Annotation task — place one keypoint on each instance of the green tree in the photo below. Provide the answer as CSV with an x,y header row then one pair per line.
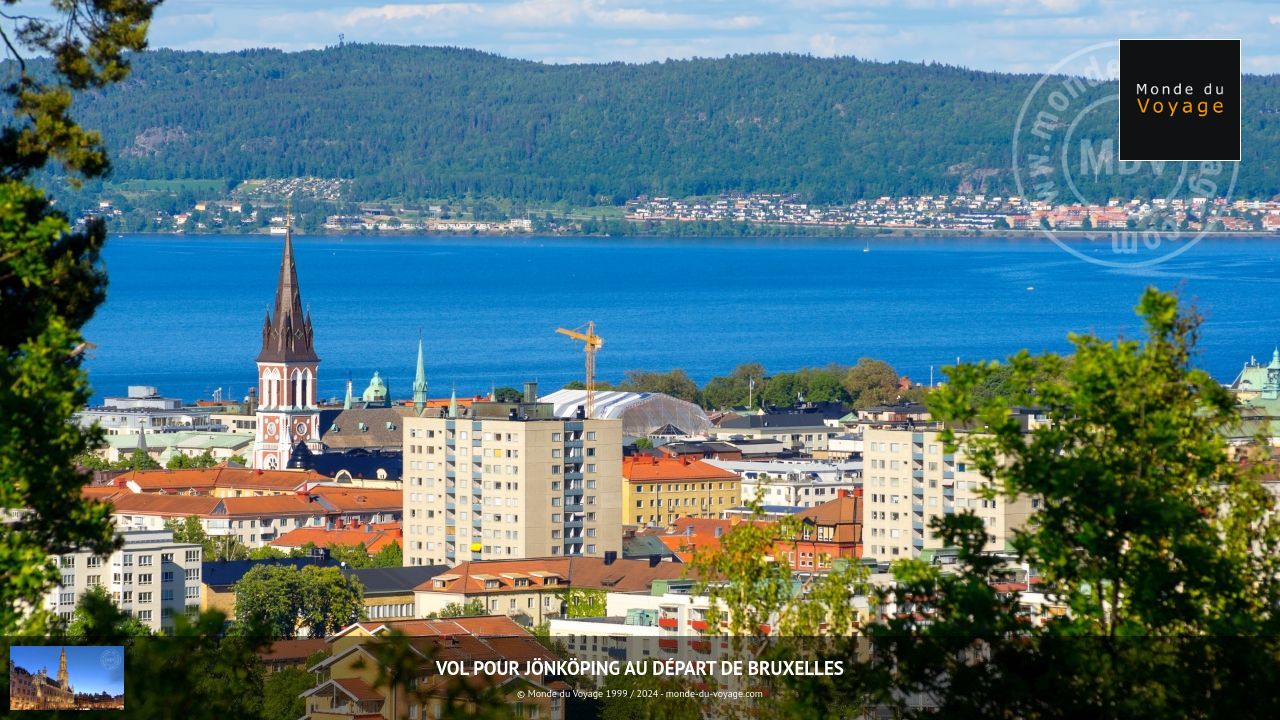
x,y
51,282
282,694
733,390
266,552
355,556
871,382
675,383
391,555
137,460
507,394
470,609
203,460
282,599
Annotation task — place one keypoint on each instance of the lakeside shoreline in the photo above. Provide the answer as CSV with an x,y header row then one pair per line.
x,y
860,233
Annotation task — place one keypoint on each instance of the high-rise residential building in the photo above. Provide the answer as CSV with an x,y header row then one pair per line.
x,y
510,480
150,577
288,369
909,479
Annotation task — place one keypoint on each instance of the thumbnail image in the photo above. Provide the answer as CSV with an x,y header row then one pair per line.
x,y
85,678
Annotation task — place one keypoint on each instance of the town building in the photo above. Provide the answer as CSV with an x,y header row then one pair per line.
x,y
150,577
164,447
657,491
793,483
144,410
533,590
389,593
371,537
219,578
347,686
826,533
257,520
797,431
910,479
221,481
510,480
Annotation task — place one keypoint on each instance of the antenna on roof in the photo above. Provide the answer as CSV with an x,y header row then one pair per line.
x,y
341,38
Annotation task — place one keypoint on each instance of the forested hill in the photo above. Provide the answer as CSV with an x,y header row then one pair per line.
x,y
416,122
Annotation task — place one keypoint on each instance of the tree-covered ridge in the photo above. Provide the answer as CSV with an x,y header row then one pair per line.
x,y
415,122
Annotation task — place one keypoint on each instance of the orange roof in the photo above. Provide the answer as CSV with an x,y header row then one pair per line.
x,y
687,535
358,689
582,572
165,505
641,468
220,477
347,499
98,492
844,510
372,539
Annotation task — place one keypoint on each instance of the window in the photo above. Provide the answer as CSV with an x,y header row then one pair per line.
x,y
144,560
591,435
166,557
144,579
192,592
193,574
144,597
68,561
193,556
94,562
144,615
95,580
166,595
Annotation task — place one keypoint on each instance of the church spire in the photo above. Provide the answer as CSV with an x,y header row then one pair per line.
x,y
420,382
453,403
346,404
287,335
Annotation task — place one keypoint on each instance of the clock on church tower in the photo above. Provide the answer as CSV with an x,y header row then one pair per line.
x,y
288,368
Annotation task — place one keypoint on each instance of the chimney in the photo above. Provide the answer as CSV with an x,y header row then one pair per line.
x,y
531,392
580,413
654,560
610,556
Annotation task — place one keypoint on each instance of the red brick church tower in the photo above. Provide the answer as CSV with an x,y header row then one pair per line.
x,y
287,373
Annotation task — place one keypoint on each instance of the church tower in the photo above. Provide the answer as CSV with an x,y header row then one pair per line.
x,y
63,681
287,372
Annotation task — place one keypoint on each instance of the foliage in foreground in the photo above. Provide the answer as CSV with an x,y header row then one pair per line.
x,y
1159,541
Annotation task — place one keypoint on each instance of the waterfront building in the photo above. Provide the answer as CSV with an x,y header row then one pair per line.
x,y
910,478
798,431
510,480
144,410
288,369
657,491
150,577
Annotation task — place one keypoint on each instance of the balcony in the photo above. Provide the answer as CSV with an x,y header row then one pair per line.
x,y
574,508
617,653
699,625
572,524
668,644
669,623
949,493
573,443
576,540
917,507
917,525
574,475
918,491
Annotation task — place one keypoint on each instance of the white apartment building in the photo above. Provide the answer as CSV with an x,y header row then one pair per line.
x,y
510,480
144,410
909,479
150,577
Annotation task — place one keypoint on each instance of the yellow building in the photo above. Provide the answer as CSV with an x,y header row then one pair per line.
x,y
659,491
347,681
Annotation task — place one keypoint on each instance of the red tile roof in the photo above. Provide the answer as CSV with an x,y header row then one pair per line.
x,y
373,539
206,479
645,468
359,499
559,572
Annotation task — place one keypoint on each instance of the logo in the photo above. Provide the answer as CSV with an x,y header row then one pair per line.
x,y
112,658
1079,193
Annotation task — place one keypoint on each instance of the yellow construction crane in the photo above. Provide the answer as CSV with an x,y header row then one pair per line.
x,y
591,343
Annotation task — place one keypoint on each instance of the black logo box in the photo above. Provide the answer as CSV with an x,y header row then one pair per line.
x,y
1187,68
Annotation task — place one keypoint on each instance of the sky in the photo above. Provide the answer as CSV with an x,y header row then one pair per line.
x,y
90,669
1009,35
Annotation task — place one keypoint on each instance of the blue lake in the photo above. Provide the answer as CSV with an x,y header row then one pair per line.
x,y
185,312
